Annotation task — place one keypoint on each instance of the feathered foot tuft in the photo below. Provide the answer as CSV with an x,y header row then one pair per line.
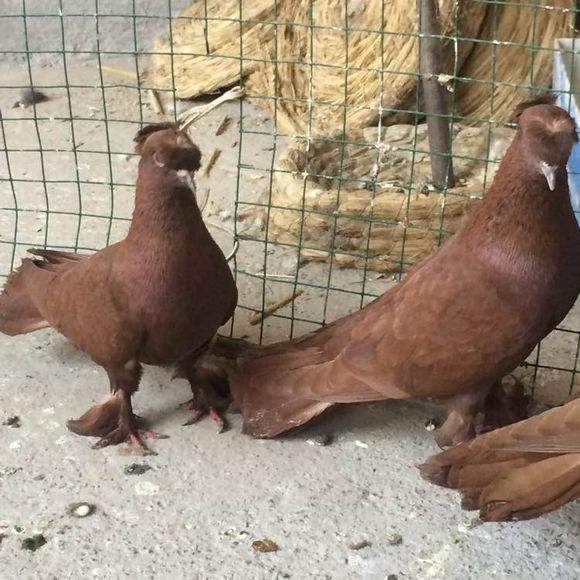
x,y
114,422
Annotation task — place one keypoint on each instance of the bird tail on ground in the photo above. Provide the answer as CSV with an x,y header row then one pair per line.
x,y
270,414
18,314
283,386
266,388
516,489
517,472
265,414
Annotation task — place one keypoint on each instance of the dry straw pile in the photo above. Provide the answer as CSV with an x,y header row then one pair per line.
x,y
352,199
323,80
306,56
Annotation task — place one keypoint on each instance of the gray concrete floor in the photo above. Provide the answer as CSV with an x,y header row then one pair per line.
x,y
205,499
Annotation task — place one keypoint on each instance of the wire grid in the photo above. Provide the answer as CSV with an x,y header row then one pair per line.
x,y
144,19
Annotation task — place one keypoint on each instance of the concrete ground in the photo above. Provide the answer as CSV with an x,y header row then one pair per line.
x,y
203,499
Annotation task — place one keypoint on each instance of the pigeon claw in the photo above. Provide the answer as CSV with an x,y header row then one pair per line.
x,y
133,437
198,412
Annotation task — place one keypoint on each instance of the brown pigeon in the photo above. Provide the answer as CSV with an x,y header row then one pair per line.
x,y
157,297
518,472
460,321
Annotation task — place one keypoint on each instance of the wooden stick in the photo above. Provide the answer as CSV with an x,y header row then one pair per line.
x,y
434,98
211,162
223,125
189,116
155,101
120,72
257,317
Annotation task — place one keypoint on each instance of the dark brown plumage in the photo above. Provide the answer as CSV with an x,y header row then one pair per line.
x,y
518,472
157,297
459,321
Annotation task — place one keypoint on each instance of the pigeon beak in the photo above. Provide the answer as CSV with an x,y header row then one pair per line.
x,y
186,177
549,172
191,181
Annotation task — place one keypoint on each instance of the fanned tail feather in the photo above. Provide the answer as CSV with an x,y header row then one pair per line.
x,y
57,257
18,313
518,472
263,388
283,386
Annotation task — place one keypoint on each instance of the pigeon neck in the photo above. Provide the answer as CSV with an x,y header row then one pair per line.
x,y
164,204
519,202
520,186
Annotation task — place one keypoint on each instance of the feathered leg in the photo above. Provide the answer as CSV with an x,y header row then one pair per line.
x,y
480,411
464,419
209,388
505,405
113,419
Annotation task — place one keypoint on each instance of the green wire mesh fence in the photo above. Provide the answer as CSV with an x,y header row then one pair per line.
x,y
321,171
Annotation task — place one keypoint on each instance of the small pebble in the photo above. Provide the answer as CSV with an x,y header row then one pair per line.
x,y
146,488
9,471
431,424
473,523
81,509
361,444
264,546
320,440
136,469
358,545
233,533
13,422
394,539
32,543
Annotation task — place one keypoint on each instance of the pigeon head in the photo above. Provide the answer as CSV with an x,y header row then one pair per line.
x,y
548,134
168,147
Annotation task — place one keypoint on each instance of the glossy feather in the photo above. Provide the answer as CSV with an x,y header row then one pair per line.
x,y
458,322
517,472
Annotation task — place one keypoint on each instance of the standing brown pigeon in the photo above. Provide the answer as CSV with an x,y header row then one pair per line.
x,y
518,472
461,320
157,297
